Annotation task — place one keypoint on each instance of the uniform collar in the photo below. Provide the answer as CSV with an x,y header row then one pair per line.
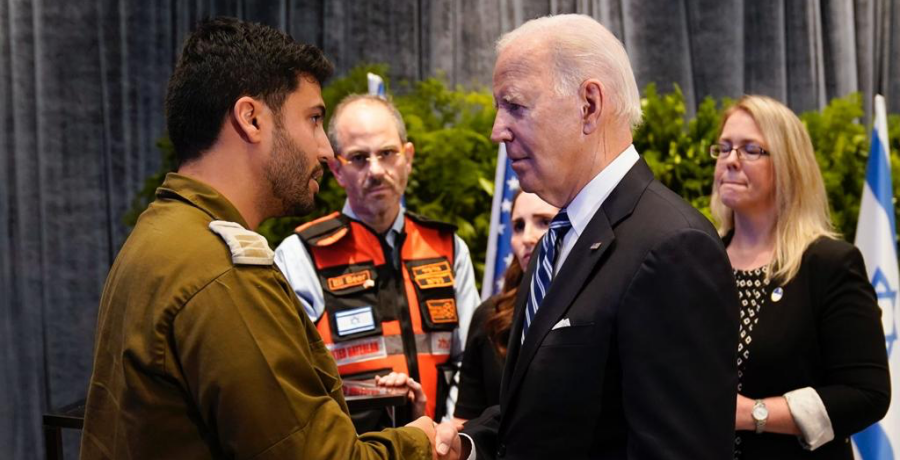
x,y
200,195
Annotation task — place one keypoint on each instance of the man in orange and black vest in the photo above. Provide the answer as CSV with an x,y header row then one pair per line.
x,y
387,289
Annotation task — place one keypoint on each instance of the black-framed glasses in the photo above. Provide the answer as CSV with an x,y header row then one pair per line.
x,y
750,151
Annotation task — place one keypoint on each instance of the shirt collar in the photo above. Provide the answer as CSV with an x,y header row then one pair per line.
x,y
396,227
582,209
201,195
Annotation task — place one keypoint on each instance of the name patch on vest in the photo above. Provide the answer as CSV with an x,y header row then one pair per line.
x,y
442,310
349,280
433,275
358,350
352,321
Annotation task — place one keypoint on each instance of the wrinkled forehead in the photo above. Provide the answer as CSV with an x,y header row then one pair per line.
x,y
521,64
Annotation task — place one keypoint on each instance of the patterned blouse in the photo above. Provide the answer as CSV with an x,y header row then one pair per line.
x,y
753,290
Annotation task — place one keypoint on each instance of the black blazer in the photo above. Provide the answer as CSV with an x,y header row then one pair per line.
x,y
481,369
647,368
824,333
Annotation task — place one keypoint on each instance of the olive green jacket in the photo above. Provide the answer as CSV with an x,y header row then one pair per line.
x,y
200,357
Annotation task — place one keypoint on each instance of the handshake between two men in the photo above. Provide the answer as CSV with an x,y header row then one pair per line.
x,y
204,349
444,437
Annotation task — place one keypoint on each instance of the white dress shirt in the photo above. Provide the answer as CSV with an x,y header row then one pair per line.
x,y
586,203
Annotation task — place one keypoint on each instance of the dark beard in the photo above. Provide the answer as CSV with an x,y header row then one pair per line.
x,y
289,173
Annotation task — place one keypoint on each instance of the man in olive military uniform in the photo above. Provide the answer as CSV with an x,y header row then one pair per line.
x,y
202,349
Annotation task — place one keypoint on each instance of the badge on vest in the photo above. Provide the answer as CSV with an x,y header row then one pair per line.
x,y
434,275
442,310
349,322
441,343
349,280
433,281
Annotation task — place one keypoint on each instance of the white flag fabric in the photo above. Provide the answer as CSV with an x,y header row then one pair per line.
x,y
876,238
376,85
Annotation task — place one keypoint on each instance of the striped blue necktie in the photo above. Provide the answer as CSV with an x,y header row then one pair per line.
x,y
543,272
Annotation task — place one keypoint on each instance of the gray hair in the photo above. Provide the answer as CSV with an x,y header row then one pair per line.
x,y
386,103
582,48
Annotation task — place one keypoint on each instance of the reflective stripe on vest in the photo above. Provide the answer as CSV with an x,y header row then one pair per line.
x,y
370,348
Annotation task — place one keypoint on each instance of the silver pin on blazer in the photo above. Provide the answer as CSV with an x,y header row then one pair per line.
x,y
596,245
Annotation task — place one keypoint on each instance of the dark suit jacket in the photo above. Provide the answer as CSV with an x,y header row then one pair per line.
x,y
647,368
824,333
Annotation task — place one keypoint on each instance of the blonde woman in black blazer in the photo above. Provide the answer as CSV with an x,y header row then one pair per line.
x,y
812,365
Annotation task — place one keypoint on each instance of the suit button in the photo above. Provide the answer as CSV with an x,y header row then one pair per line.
x,y
501,450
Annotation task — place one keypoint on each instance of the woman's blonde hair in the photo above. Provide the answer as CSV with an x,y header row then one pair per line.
x,y
801,205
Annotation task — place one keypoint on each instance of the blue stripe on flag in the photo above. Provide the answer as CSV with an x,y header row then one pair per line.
x,y
878,247
878,176
873,444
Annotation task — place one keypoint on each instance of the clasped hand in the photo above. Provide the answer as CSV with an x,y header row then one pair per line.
x,y
444,437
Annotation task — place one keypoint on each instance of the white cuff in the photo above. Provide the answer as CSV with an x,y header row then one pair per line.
x,y
463,438
810,416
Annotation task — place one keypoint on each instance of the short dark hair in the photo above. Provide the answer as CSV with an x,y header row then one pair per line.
x,y
223,60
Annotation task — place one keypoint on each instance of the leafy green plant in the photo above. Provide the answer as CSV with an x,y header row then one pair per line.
x,y
453,168
842,148
677,149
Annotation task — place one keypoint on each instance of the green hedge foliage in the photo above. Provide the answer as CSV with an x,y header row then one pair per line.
x,y
455,161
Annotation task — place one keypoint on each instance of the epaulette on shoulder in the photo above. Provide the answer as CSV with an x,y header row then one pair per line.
x,y
324,230
431,223
247,247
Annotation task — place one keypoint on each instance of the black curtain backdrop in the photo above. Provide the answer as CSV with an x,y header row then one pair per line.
x,y
81,106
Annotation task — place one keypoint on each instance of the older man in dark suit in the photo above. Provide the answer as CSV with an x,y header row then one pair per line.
x,y
625,328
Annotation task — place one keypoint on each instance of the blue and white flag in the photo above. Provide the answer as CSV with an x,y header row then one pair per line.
x,y
499,252
876,237
376,85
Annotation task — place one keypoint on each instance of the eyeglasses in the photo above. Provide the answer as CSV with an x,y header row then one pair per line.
x,y
359,160
749,151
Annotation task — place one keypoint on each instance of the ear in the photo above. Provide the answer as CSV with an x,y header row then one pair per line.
x,y
409,150
245,117
336,168
591,98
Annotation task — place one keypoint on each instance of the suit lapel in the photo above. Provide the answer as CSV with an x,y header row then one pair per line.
x,y
515,333
592,244
565,286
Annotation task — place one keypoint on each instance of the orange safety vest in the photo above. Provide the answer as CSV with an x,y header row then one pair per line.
x,y
375,320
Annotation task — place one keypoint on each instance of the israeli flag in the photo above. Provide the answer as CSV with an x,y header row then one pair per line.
x,y
376,85
499,251
876,238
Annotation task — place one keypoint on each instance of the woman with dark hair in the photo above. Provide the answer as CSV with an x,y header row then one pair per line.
x,y
811,359
482,365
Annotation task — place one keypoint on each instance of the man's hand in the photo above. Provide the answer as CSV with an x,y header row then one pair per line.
x,y
447,445
444,438
416,395
459,422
